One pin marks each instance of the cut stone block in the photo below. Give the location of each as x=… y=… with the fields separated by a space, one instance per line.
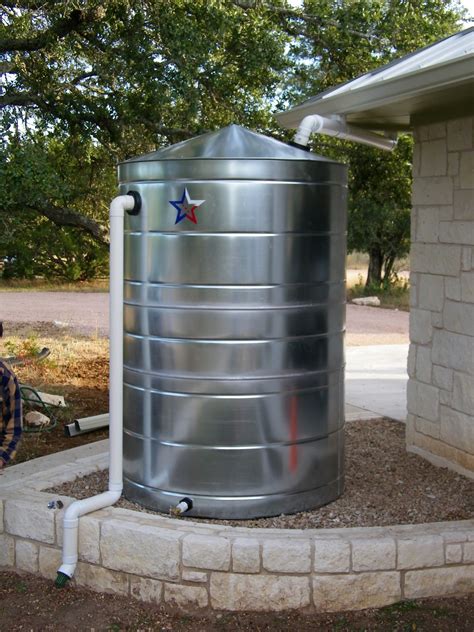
x=255 y=592
x=26 y=556
x=439 y=582
x=419 y=552
x=140 y=549
x=146 y=589
x=332 y=593
x=332 y=556
x=202 y=551
x=246 y=555
x=186 y=597
x=373 y=554
x=287 y=556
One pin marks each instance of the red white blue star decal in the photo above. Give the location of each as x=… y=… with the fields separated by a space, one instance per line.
x=186 y=207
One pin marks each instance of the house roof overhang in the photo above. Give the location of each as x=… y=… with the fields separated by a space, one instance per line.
x=436 y=83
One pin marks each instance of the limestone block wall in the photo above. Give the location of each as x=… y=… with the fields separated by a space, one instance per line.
x=200 y=566
x=440 y=422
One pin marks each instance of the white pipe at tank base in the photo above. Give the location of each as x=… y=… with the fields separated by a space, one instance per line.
x=336 y=126
x=79 y=508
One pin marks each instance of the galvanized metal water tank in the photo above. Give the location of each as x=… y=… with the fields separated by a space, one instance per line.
x=234 y=324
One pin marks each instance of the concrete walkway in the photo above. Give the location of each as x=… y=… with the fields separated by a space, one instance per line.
x=376 y=381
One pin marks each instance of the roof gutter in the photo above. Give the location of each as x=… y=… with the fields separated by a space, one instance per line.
x=337 y=127
x=381 y=93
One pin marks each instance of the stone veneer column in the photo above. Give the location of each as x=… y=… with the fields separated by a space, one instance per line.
x=440 y=422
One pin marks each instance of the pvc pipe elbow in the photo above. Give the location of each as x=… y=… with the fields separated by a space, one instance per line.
x=123 y=203
x=308 y=126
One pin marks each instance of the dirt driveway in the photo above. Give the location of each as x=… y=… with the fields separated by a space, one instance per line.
x=89 y=314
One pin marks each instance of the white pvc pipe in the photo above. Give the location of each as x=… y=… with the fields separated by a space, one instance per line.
x=337 y=127
x=78 y=508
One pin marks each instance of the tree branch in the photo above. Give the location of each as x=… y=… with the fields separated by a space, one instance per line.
x=68 y=217
x=74 y=22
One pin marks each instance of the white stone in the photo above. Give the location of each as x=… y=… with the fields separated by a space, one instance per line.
x=431 y=292
x=463 y=203
x=454 y=351
x=198 y=577
x=202 y=551
x=453 y=553
x=371 y=301
x=246 y=555
x=468 y=553
x=49 y=561
x=101 y=579
x=436 y=259
x=186 y=597
x=433 y=158
x=459 y=317
x=423 y=364
x=460 y=134
x=423 y=400
x=146 y=589
x=26 y=556
x=1 y=516
x=420 y=552
x=7 y=550
x=373 y=554
x=232 y=591
x=439 y=582
x=30 y=520
x=420 y=326
x=432 y=190
x=467 y=287
x=463 y=393
x=140 y=549
x=443 y=378
x=332 y=593
x=287 y=556
x=466 y=170
x=457 y=429
x=332 y=556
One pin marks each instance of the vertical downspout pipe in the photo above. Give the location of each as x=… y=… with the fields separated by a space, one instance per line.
x=130 y=203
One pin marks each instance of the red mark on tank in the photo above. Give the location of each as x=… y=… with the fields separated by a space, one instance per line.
x=293 y=433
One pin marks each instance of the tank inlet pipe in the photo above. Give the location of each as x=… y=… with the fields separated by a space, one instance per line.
x=337 y=126
x=130 y=203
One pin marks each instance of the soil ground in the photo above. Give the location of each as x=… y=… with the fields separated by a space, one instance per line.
x=32 y=603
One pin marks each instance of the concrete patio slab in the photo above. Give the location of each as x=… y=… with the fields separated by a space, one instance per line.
x=376 y=379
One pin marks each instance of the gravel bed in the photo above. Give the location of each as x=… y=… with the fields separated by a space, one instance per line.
x=385 y=485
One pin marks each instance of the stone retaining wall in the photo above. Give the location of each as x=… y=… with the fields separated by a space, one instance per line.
x=440 y=422
x=195 y=566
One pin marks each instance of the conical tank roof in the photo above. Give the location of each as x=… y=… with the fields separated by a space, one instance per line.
x=231 y=153
x=232 y=143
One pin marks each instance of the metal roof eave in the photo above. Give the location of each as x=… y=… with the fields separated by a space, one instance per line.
x=390 y=91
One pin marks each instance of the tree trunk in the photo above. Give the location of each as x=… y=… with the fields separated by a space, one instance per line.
x=374 y=273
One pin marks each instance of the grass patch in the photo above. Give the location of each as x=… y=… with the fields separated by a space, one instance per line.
x=77 y=368
x=45 y=285
x=393 y=296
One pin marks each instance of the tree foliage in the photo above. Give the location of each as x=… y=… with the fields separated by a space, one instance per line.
x=87 y=83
